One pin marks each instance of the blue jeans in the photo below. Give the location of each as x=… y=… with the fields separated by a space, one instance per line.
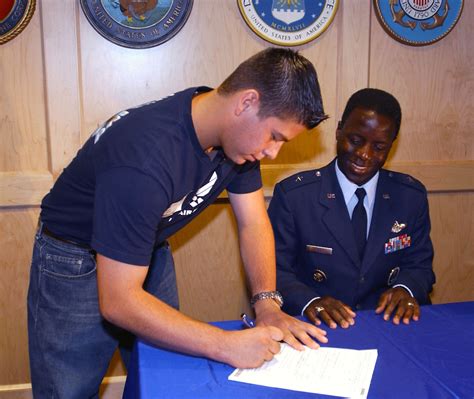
x=70 y=343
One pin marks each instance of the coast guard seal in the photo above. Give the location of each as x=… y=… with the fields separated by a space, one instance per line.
x=418 y=22
x=137 y=23
x=288 y=22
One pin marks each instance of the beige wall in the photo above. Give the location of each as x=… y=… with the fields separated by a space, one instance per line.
x=60 y=79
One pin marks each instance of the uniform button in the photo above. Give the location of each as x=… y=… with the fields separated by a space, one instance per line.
x=319 y=276
x=362 y=279
x=358 y=307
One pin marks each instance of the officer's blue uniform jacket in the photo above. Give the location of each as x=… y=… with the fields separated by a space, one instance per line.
x=315 y=245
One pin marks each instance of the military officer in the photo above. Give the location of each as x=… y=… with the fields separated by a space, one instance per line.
x=352 y=235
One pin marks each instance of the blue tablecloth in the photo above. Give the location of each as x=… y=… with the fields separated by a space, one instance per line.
x=432 y=358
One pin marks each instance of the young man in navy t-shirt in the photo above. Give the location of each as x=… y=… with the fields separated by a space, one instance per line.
x=101 y=265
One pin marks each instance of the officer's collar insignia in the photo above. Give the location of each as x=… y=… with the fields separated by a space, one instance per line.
x=397 y=227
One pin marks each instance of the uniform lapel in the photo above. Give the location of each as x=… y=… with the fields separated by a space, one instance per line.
x=336 y=218
x=381 y=222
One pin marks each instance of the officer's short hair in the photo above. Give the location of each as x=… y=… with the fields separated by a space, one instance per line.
x=376 y=100
x=286 y=82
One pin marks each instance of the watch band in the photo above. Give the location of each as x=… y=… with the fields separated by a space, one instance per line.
x=275 y=295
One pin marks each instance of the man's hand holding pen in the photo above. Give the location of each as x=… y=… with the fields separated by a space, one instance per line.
x=249 y=348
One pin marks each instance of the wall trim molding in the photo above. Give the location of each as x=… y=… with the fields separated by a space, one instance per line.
x=24 y=188
x=29 y=187
x=437 y=176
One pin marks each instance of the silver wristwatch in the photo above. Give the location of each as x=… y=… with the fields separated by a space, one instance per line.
x=275 y=295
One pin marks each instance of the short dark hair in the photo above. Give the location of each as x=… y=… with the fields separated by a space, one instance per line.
x=286 y=82
x=376 y=100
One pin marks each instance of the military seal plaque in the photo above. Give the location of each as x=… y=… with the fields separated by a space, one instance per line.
x=137 y=23
x=418 y=22
x=14 y=16
x=288 y=22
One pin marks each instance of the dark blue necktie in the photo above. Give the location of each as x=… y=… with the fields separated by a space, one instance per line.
x=359 y=222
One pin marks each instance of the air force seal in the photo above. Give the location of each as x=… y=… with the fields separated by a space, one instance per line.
x=288 y=22
x=418 y=22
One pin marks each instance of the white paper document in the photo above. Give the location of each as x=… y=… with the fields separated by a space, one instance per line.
x=327 y=371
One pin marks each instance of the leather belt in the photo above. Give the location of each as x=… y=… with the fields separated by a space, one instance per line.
x=49 y=233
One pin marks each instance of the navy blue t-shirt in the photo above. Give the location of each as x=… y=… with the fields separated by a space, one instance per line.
x=139 y=178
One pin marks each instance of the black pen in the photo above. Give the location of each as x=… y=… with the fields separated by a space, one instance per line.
x=247 y=321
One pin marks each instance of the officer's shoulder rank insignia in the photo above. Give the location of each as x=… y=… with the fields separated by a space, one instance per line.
x=406 y=180
x=418 y=22
x=300 y=179
x=288 y=22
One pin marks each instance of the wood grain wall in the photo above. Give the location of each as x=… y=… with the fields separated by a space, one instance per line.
x=60 y=80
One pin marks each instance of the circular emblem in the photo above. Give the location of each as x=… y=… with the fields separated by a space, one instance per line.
x=418 y=22
x=319 y=276
x=14 y=16
x=137 y=23
x=288 y=22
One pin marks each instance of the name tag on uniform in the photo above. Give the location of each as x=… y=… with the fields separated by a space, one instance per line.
x=318 y=249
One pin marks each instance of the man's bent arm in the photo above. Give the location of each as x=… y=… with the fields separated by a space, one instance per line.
x=125 y=303
x=257 y=248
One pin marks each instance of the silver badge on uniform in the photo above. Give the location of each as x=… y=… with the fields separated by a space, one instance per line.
x=397 y=227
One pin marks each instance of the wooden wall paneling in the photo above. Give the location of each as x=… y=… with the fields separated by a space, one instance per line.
x=452 y=234
x=211 y=280
x=434 y=85
x=353 y=52
x=62 y=80
x=24 y=174
x=24 y=188
x=22 y=106
x=16 y=229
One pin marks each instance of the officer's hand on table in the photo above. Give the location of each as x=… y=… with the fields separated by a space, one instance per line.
x=249 y=348
x=330 y=310
x=295 y=332
x=406 y=307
